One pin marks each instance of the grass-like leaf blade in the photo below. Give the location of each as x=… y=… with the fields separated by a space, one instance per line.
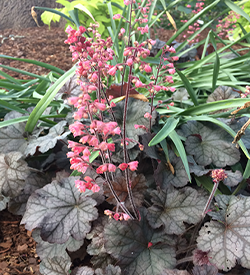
x=165 y=131
x=47 y=98
x=189 y=87
x=180 y=148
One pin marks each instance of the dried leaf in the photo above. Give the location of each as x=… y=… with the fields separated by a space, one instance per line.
x=246 y=105
x=227 y=237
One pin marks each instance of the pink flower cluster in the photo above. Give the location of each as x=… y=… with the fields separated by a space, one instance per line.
x=246 y=93
x=117 y=216
x=226 y=25
x=196 y=26
x=218 y=175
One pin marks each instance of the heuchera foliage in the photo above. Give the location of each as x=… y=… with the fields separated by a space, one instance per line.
x=127 y=205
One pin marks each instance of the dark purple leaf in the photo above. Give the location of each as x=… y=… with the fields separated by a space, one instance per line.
x=208 y=144
x=138 y=248
x=171 y=208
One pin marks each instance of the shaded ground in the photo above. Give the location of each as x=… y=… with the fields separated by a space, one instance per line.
x=17 y=248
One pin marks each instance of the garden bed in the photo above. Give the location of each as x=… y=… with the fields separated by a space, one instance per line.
x=17 y=248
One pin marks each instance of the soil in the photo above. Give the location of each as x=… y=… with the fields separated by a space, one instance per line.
x=17 y=248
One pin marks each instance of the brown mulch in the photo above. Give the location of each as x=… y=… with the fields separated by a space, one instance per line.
x=39 y=44
x=17 y=248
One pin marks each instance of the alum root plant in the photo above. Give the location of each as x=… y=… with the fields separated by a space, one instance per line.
x=103 y=133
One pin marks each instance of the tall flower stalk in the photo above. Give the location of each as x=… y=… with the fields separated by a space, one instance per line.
x=95 y=75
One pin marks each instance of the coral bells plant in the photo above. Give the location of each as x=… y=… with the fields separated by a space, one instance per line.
x=155 y=184
x=95 y=74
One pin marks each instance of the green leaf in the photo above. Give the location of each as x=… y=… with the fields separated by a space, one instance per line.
x=237 y=9
x=84 y=9
x=216 y=71
x=11 y=107
x=191 y=21
x=244 y=32
x=24 y=72
x=213 y=106
x=74 y=15
x=111 y=17
x=165 y=131
x=38 y=63
x=10 y=78
x=56 y=12
x=47 y=98
x=189 y=87
x=181 y=150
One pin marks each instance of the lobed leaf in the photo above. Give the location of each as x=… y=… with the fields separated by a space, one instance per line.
x=61 y=211
x=205 y=270
x=109 y=270
x=208 y=144
x=135 y=115
x=3 y=202
x=227 y=237
x=84 y=270
x=171 y=208
x=12 y=136
x=138 y=187
x=34 y=181
x=44 y=143
x=127 y=241
x=13 y=172
x=165 y=176
x=55 y=266
x=46 y=250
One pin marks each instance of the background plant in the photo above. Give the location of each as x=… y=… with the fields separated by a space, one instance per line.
x=90 y=11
